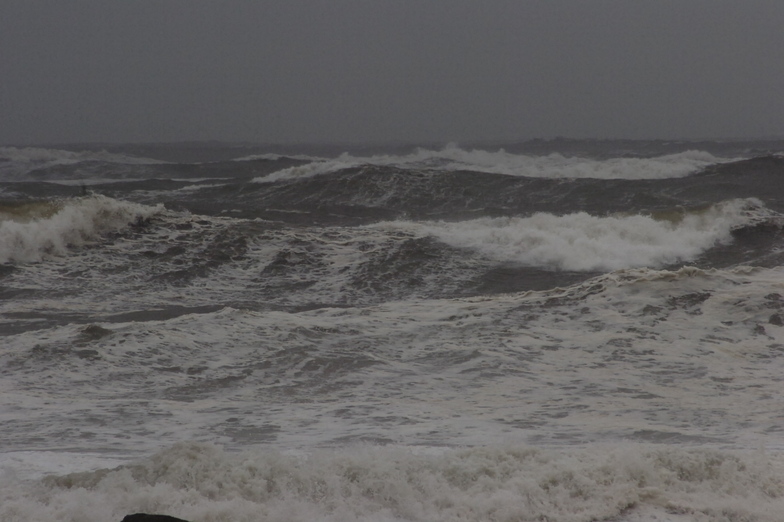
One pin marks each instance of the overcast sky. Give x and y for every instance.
(395, 70)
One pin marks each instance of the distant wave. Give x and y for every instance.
(275, 157)
(581, 242)
(502, 162)
(42, 155)
(36, 231)
(18, 161)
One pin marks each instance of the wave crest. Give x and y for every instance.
(582, 242)
(50, 228)
(554, 165)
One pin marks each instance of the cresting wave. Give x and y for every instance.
(499, 484)
(501, 162)
(50, 228)
(581, 242)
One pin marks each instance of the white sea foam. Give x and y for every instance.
(583, 242)
(202, 483)
(684, 357)
(71, 222)
(501, 162)
(687, 356)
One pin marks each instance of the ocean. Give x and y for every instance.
(553, 331)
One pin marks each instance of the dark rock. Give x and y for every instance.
(143, 517)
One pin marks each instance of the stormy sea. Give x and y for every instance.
(554, 330)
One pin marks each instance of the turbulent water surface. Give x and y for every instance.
(559, 330)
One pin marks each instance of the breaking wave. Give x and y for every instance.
(581, 242)
(202, 482)
(34, 231)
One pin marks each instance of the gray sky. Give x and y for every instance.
(404, 70)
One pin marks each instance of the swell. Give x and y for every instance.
(95, 169)
(365, 194)
(28, 164)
